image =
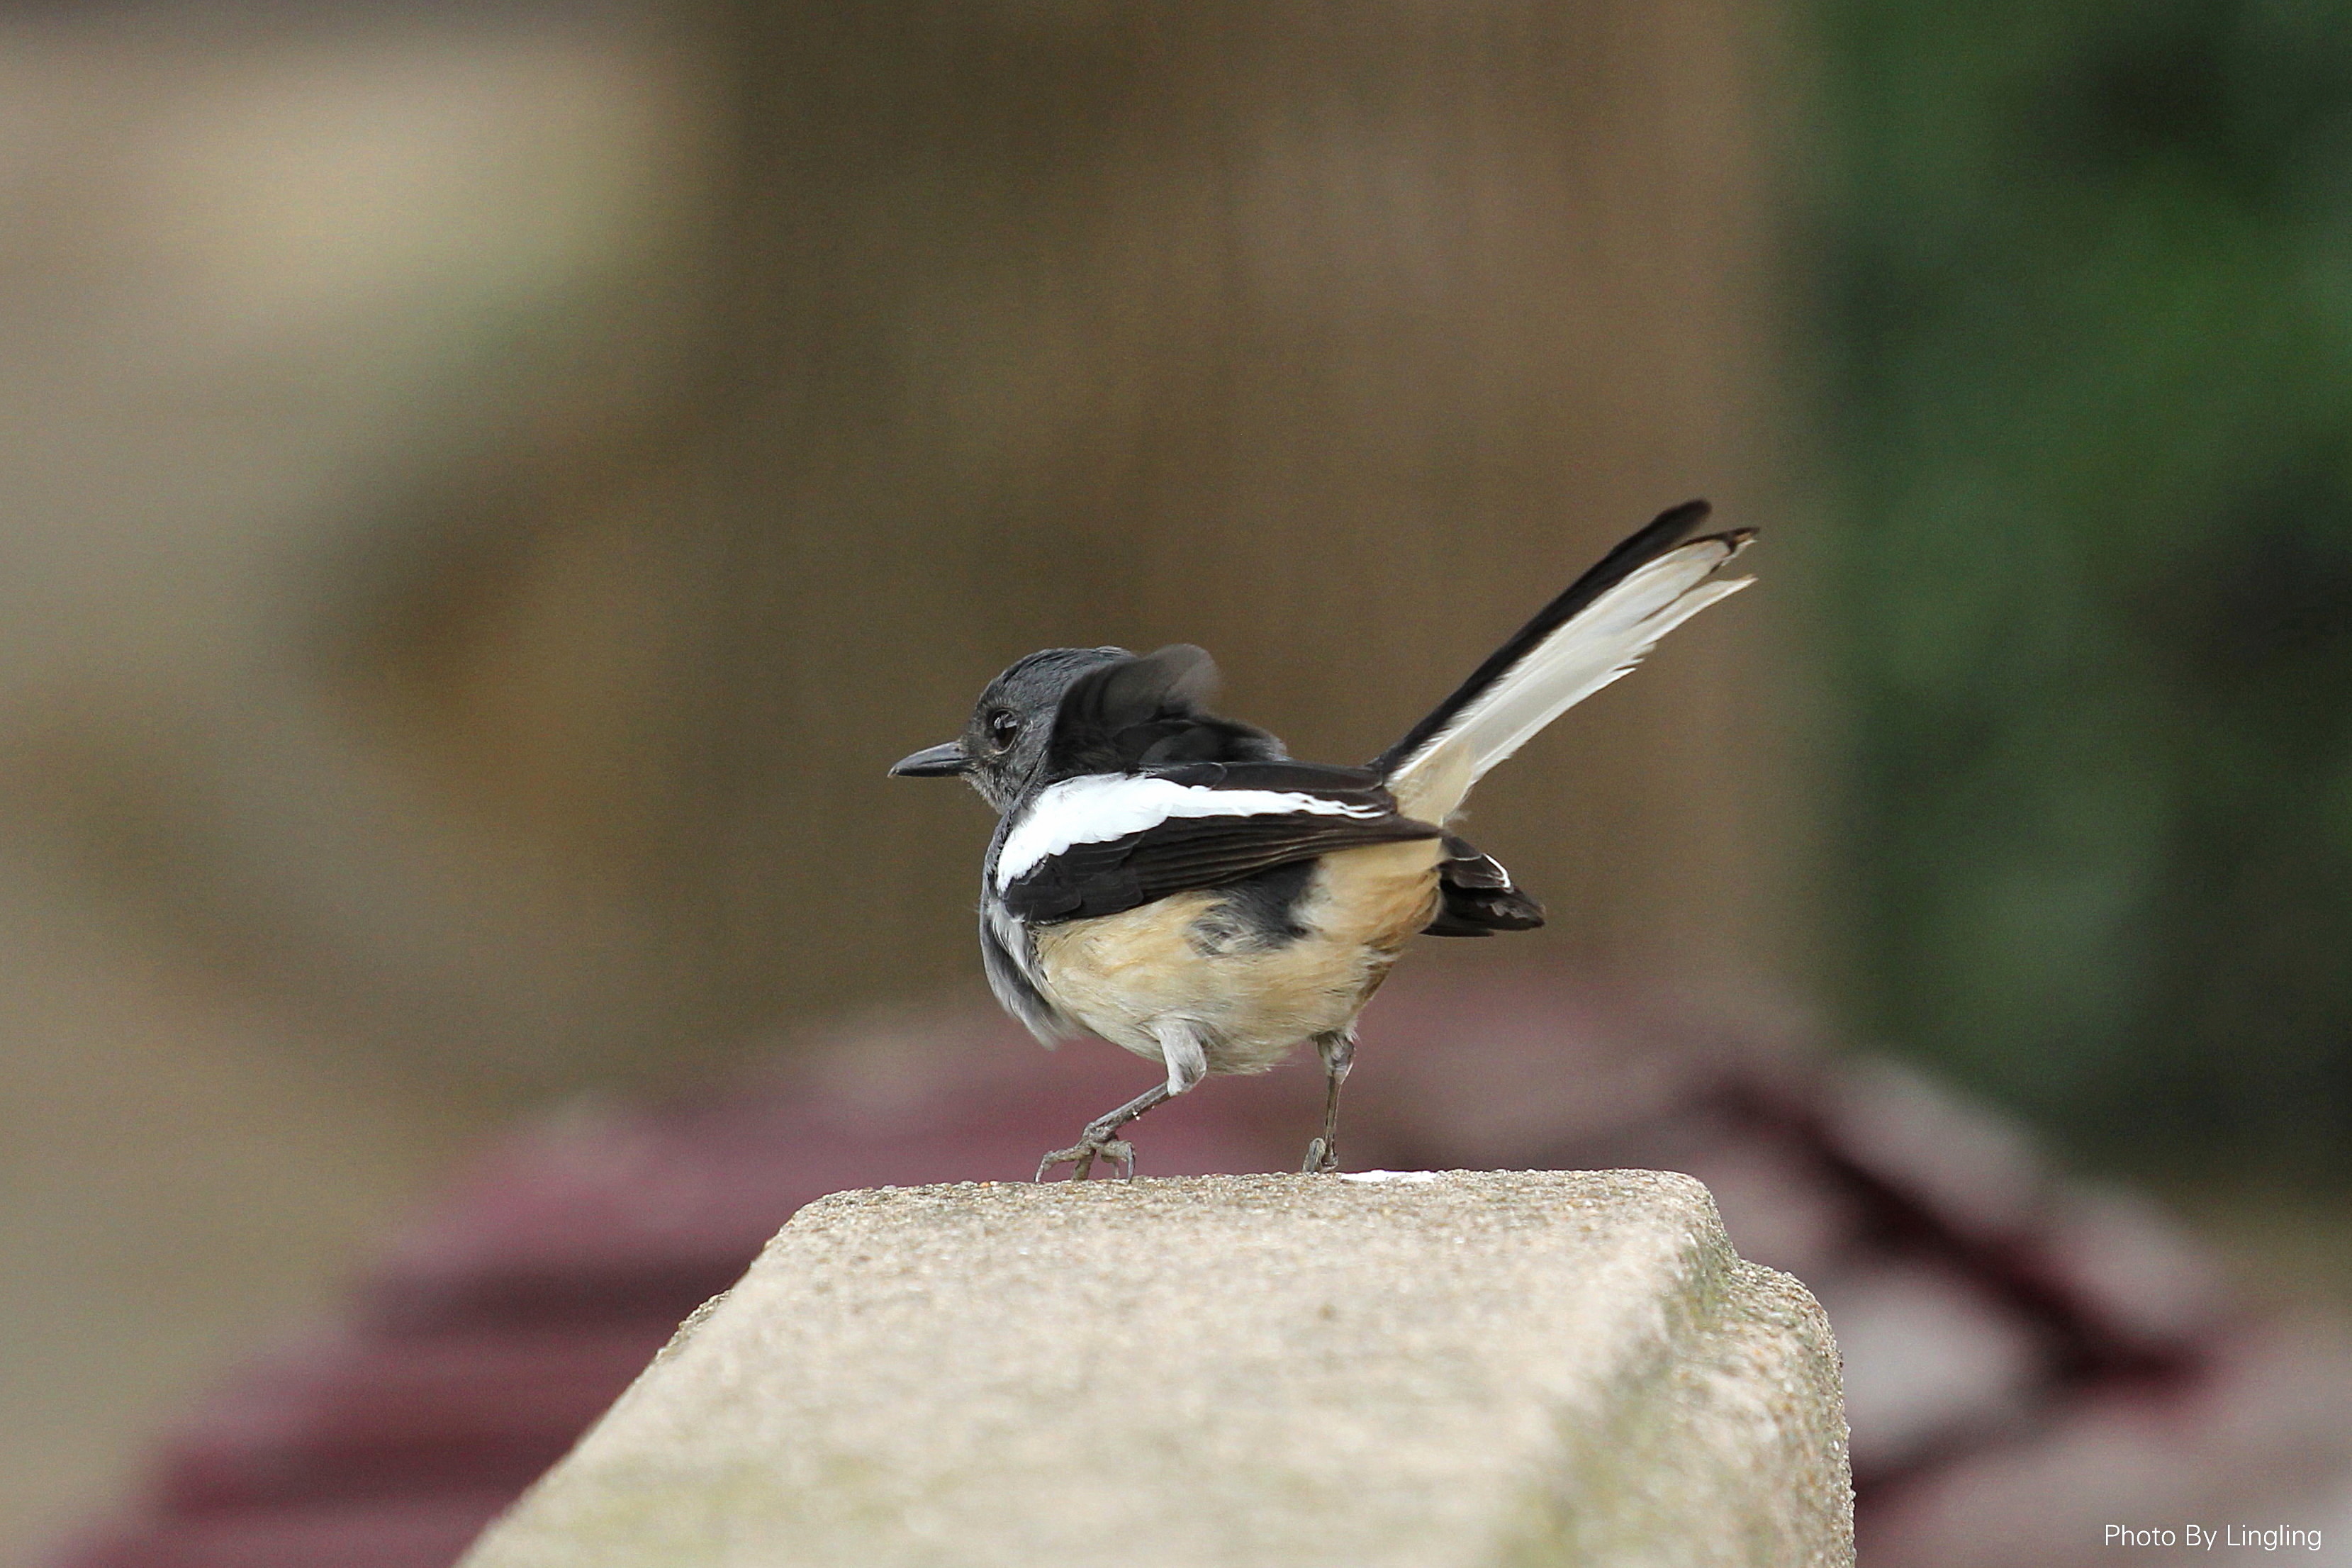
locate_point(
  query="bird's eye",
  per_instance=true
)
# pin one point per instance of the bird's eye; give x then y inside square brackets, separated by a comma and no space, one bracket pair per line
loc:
[1001,727]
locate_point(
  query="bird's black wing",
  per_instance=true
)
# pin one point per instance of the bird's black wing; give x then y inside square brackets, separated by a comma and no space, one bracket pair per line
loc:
[1209,825]
[1146,714]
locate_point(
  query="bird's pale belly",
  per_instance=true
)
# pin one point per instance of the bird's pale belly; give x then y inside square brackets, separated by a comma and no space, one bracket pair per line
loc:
[1127,975]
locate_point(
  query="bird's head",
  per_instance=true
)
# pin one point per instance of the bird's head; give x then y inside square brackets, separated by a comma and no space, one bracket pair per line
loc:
[1064,711]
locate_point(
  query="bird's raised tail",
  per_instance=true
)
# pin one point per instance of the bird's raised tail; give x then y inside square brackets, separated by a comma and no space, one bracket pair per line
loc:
[1596,631]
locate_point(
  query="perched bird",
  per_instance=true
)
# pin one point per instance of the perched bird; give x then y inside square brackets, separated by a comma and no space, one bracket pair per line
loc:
[1174,881]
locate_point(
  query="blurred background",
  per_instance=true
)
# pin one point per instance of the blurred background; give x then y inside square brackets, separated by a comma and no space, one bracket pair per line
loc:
[488,487]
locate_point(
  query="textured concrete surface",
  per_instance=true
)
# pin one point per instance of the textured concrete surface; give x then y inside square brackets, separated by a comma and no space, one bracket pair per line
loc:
[1512,1368]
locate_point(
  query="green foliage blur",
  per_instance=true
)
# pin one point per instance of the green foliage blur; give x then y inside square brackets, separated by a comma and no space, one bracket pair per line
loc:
[2087,315]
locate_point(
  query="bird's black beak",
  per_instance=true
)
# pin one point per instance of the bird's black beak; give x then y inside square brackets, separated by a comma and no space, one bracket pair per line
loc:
[933,762]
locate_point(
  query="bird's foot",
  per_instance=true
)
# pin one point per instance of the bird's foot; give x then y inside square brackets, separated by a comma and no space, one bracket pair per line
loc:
[1096,1141]
[1322,1157]
[1092,1144]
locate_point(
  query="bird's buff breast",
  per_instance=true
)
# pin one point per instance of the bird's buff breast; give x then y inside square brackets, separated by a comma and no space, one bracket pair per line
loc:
[1124,976]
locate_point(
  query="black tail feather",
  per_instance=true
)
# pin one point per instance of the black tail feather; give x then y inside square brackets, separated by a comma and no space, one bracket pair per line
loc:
[1478,898]
[1668,529]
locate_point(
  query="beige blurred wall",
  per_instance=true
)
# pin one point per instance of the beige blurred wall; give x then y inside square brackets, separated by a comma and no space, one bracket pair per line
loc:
[492,488]
[1333,338]
[268,278]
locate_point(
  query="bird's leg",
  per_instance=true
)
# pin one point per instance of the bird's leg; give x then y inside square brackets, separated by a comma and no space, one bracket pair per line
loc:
[1339,1053]
[1097,1139]
[1184,1047]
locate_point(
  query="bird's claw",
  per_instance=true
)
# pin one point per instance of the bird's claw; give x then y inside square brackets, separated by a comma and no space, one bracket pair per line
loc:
[1322,1158]
[1081,1156]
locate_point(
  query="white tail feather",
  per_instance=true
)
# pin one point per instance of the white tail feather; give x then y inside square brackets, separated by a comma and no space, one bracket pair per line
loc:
[1605,641]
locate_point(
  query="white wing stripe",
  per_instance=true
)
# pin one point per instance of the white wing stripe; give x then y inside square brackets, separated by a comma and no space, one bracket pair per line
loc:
[1101,808]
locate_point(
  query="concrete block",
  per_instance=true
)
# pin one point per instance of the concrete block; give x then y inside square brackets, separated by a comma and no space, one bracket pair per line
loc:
[1469,1368]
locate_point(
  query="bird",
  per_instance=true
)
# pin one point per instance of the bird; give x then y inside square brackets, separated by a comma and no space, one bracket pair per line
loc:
[1176,883]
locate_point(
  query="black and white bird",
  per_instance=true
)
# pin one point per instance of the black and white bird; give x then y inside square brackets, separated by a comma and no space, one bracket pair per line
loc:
[1174,882]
